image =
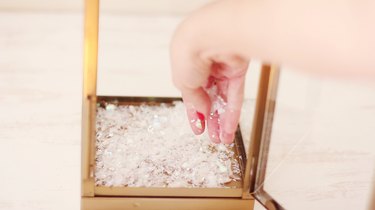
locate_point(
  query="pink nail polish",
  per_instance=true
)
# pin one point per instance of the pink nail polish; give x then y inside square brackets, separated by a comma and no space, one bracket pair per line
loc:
[200,116]
[197,121]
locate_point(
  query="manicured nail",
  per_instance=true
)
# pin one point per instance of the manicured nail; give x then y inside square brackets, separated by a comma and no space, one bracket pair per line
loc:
[197,121]
[226,138]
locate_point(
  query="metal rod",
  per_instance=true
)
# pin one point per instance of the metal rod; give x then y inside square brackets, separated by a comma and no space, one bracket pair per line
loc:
[89,95]
[256,133]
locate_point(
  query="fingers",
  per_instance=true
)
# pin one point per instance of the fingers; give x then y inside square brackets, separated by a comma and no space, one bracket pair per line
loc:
[213,126]
[216,89]
[226,101]
[230,118]
[226,97]
[190,74]
[191,68]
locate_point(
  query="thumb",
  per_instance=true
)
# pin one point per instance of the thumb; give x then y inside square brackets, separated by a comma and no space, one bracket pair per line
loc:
[198,106]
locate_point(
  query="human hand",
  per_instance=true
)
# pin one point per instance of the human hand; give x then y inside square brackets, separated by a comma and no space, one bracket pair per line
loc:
[209,74]
[211,49]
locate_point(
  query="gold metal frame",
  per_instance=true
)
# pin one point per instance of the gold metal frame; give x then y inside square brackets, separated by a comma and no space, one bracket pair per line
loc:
[261,135]
[241,198]
[89,95]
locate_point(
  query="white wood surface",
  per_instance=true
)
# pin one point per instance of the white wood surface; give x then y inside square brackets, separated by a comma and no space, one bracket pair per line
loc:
[145,7]
[40,103]
[322,152]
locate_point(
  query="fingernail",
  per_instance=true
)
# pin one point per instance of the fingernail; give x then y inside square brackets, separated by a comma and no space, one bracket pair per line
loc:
[226,138]
[197,121]
[214,136]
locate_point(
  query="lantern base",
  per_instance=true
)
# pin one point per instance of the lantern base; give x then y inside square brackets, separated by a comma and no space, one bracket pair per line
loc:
[122,203]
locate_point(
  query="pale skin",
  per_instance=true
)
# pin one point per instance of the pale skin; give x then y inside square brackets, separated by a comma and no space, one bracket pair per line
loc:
[216,43]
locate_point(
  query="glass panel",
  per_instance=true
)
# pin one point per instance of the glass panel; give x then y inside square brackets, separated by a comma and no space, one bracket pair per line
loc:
[145,142]
[322,148]
[133,48]
[248,107]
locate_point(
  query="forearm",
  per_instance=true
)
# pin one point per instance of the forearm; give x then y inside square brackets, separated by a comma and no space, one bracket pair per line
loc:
[331,38]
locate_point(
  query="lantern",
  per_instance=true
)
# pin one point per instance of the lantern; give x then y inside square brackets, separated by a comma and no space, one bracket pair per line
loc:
[243,171]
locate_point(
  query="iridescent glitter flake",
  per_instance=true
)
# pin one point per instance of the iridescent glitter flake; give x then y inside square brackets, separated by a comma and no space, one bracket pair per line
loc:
[153,146]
